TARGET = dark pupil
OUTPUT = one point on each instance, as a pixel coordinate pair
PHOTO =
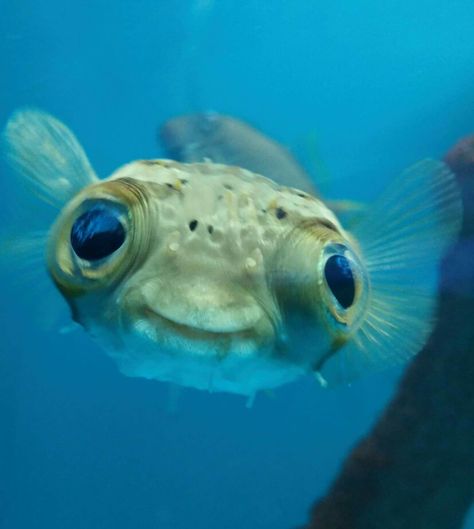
(340, 280)
(97, 233)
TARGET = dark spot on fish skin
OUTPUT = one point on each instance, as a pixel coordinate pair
(149, 162)
(303, 195)
(183, 181)
(327, 224)
(174, 187)
(264, 210)
(220, 197)
(210, 229)
(228, 186)
(193, 224)
(280, 213)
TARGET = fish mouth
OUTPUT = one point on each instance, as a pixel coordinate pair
(164, 327)
(237, 361)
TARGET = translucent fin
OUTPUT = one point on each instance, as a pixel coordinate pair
(349, 212)
(22, 260)
(346, 206)
(250, 401)
(48, 155)
(23, 250)
(313, 160)
(402, 239)
(320, 379)
(70, 328)
(22, 266)
(270, 393)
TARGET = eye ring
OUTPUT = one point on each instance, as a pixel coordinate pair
(119, 207)
(344, 285)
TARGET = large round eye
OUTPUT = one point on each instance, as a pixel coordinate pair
(340, 279)
(97, 233)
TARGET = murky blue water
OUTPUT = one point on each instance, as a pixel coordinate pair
(379, 84)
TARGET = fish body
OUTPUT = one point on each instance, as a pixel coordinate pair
(215, 277)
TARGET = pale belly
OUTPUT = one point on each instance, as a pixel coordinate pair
(245, 369)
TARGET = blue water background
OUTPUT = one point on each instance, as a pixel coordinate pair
(378, 84)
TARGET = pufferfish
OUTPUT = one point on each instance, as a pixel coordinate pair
(213, 277)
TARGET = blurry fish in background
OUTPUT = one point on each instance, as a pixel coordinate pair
(308, 147)
(214, 277)
(225, 139)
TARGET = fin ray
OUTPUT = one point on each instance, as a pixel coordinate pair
(402, 239)
(48, 155)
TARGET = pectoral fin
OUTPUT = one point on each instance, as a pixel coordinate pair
(403, 238)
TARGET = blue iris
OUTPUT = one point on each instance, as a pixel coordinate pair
(97, 233)
(340, 279)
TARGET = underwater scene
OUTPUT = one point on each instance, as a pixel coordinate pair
(237, 264)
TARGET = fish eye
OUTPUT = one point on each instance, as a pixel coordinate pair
(97, 233)
(344, 282)
(340, 279)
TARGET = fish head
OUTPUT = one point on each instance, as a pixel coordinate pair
(152, 272)
(192, 261)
